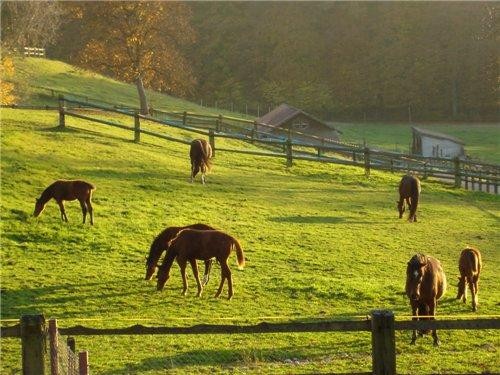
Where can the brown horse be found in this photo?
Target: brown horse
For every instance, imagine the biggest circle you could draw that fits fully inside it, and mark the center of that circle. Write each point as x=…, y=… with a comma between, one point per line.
x=469, y=265
x=409, y=190
x=425, y=285
x=160, y=244
x=192, y=244
x=200, y=154
x=67, y=190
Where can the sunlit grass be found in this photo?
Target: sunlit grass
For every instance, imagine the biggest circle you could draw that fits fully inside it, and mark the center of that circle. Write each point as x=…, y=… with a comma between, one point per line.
x=321, y=241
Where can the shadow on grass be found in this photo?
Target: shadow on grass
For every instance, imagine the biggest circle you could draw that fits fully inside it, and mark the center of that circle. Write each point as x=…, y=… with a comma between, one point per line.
x=317, y=220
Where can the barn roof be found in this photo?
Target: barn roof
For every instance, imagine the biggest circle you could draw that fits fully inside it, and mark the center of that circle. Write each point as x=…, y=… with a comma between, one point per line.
x=281, y=114
x=437, y=135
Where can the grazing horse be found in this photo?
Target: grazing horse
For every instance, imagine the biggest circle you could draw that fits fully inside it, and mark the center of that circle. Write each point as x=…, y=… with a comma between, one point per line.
x=200, y=154
x=409, y=190
x=425, y=285
x=67, y=190
x=192, y=244
x=469, y=265
x=160, y=244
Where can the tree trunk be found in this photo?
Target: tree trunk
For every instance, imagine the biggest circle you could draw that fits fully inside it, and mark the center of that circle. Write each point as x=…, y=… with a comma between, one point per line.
x=142, y=96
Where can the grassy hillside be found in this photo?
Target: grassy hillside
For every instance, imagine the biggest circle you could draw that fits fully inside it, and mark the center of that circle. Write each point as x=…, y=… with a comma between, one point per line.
x=321, y=241
x=482, y=140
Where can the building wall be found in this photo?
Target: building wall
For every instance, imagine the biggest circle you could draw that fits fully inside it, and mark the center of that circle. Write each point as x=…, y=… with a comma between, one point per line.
x=304, y=124
x=441, y=147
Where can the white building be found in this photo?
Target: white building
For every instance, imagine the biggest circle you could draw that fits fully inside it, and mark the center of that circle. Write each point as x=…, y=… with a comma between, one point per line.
x=428, y=143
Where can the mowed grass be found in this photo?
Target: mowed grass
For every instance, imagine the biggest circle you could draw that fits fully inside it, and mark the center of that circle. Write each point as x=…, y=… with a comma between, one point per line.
x=322, y=242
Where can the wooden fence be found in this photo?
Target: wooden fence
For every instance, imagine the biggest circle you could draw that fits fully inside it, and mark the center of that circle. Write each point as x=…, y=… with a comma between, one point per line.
x=34, y=51
x=462, y=173
x=381, y=324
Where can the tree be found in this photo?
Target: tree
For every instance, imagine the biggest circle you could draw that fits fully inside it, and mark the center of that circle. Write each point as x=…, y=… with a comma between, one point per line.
x=140, y=42
x=29, y=23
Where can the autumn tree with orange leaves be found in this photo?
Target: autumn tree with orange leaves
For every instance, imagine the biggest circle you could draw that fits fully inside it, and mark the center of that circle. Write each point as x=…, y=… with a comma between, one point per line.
x=139, y=42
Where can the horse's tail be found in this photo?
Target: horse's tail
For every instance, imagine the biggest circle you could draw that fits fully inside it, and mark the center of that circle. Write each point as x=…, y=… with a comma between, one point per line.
x=206, y=154
x=239, y=254
x=414, y=203
x=473, y=261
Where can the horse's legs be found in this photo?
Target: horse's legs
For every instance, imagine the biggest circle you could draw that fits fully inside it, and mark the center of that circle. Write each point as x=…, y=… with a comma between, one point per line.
x=473, y=291
x=432, y=312
x=206, y=275
x=182, y=266
x=195, y=168
x=414, y=314
x=222, y=278
x=63, y=212
x=91, y=210
x=84, y=209
x=203, y=170
x=227, y=271
x=194, y=266
x=461, y=288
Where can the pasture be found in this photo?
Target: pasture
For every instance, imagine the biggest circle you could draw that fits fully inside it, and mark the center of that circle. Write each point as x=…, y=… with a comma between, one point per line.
x=321, y=242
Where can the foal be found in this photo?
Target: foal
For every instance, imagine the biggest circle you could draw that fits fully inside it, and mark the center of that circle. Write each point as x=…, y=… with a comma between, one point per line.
x=160, y=244
x=469, y=265
x=67, y=190
x=192, y=244
x=425, y=285
x=409, y=191
x=200, y=154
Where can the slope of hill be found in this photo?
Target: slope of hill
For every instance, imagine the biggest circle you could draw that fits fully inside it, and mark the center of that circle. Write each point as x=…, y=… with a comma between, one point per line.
x=33, y=73
x=321, y=241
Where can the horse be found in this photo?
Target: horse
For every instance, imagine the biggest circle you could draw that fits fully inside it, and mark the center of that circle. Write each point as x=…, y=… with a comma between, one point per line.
x=67, y=190
x=469, y=266
x=192, y=244
x=160, y=244
x=409, y=190
x=200, y=153
x=425, y=285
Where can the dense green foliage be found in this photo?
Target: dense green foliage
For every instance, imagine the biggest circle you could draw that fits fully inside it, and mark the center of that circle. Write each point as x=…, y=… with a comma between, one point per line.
x=321, y=241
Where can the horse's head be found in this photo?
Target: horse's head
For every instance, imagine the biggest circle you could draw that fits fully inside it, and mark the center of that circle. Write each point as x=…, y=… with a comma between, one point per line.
x=414, y=275
x=39, y=207
x=150, y=269
x=401, y=208
x=163, y=276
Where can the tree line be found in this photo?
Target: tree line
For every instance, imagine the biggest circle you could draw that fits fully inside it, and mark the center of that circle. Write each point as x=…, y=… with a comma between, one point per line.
x=338, y=60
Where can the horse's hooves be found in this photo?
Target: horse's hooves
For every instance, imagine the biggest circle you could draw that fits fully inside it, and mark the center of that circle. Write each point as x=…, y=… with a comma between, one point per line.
x=413, y=342
x=437, y=343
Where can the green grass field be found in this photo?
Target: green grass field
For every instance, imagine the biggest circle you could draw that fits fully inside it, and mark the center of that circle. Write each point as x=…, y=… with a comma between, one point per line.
x=321, y=241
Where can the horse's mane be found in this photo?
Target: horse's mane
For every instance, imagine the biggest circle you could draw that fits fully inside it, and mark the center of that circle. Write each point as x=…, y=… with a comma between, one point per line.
x=417, y=261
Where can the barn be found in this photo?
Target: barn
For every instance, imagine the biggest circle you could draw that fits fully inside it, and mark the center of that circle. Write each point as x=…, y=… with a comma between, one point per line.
x=285, y=117
x=429, y=143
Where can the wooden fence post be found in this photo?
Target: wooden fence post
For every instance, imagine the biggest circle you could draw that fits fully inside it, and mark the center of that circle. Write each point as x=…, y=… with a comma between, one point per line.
x=137, y=128
x=184, y=118
x=288, y=145
x=383, y=343
x=354, y=156
x=367, y=161
x=33, y=336
x=83, y=363
x=54, y=352
x=254, y=131
x=211, y=140
x=62, y=108
x=219, y=123
x=458, y=178
x=71, y=354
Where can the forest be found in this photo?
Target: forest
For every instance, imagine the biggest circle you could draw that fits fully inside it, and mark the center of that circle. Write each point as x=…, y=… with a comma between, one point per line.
x=345, y=61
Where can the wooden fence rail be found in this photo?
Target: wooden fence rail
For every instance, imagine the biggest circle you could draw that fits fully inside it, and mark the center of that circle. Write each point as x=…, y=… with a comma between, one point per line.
x=462, y=173
x=381, y=324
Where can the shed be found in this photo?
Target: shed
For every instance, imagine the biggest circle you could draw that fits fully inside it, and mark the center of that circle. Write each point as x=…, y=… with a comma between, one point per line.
x=429, y=143
x=285, y=117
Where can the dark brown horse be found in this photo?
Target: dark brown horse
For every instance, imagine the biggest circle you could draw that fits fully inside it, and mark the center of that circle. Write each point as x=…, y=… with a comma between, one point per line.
x=160, y=244
x=67, y=190
x=192, y=244
x=425, y=285
x=200, y=154
x=469, y=265
x=409, y=191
